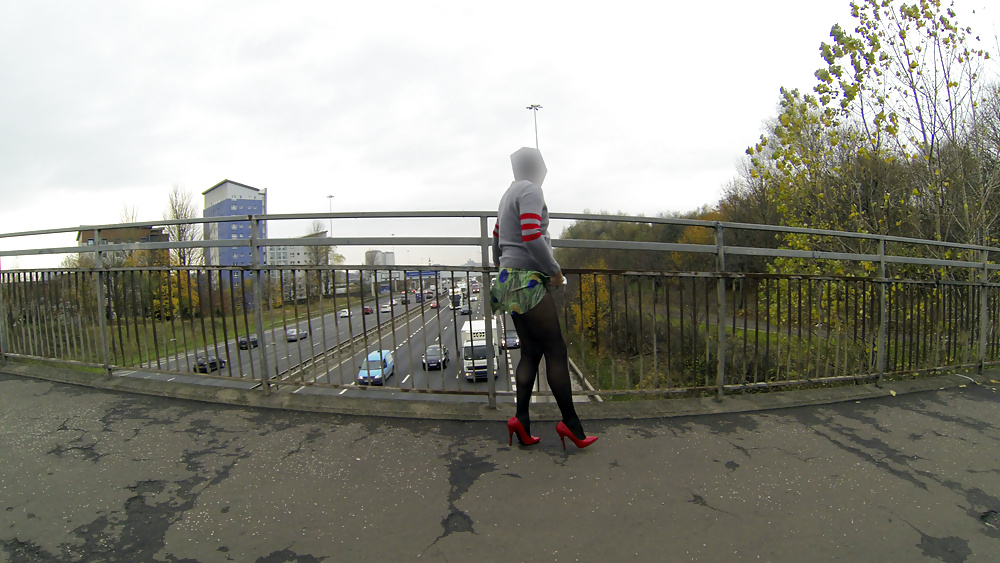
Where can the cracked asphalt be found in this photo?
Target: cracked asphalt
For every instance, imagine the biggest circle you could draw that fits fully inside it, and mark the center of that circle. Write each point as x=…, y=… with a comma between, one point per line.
x=93, y=475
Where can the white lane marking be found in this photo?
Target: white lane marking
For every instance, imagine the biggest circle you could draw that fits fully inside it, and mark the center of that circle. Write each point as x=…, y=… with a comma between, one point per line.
x=342, y=392
x=405, y=379
x=299, y=389
x=172, y=378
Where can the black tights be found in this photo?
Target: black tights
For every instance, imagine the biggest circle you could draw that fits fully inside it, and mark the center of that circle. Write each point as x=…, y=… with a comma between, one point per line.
x=541, y=336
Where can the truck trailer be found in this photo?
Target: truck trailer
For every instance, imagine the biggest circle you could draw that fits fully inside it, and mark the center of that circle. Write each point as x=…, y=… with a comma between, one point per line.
x=476, y=353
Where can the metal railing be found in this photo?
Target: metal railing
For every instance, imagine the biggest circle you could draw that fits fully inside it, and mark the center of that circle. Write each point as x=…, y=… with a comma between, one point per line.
x=630, y=332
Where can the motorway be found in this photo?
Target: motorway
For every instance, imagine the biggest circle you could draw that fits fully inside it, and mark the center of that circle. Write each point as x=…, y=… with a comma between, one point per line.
x=335, y=347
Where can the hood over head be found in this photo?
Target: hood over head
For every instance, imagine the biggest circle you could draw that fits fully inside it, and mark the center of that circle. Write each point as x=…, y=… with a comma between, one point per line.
x=528, y=165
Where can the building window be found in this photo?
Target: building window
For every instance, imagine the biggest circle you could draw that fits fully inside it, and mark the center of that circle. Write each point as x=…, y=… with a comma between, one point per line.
x=235, y=235
x=234, y=207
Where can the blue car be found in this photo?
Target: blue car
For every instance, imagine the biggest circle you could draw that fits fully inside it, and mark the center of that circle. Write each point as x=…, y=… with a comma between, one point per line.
x=376, y=368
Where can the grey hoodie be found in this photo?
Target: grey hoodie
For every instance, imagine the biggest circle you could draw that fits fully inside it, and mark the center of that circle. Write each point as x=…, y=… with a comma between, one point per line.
x=520, y=236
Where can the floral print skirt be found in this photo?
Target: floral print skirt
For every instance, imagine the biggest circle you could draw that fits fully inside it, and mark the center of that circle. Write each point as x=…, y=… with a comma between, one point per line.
x=517, y=291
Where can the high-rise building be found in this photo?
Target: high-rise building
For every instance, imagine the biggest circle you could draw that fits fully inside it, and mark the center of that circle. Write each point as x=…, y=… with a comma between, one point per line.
x=228, y=198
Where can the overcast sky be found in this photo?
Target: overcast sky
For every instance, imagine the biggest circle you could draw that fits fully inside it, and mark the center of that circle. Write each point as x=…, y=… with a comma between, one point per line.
x=647, y=106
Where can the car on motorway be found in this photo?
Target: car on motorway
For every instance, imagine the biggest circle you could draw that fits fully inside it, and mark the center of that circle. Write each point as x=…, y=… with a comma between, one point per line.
x=247, y=342
x=434, y=304
x=208, y=364
x=395, y=301
x=296, y=334
x=376, y=368
x=510, y=340
x=344, y=313
x=385, y=308
x=367, y=310
x=435, y=357
x=465, y=309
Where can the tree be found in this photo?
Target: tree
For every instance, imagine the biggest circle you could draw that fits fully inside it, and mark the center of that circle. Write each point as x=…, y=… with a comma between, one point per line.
x=180, y=206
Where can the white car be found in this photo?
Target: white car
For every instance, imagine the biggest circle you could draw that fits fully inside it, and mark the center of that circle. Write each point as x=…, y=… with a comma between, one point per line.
x=294, y=335
x=385, y=308
x=344, y=313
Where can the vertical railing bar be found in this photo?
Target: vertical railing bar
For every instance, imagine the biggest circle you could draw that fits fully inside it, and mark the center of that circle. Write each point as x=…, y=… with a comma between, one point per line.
x=117, y=310
x=611, y=325
x=83, y=282
x=756, y=331
x=182, y=345
x=656, y=369
x=670, y=322
x=45, y=306
x=102, y=300
x=883, y=312
x=640, y=339
x=61, y=312
x=37, y=292
x=777, y=332
x=236, y=323
x=720, y=267
x=4, y=319
x=52, y=311
x=45, y=303
x=142, y=341
x=148, y=328
x=322, y=315
x=66, y=304
x=983, y=309
x=311, y=360
x=30, y=318
x=258, y=305
x=789, y=375
x=337, y=347
x=295, y=320
x=260, y=277
x=153, y=319
x=809, y=342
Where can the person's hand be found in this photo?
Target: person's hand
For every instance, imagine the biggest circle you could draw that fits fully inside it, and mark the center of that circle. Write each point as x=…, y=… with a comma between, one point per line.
x=557, y=279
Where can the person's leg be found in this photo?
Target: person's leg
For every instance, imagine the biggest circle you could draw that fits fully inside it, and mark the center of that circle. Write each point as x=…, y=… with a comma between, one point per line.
x=541, y=324
x=527, y=369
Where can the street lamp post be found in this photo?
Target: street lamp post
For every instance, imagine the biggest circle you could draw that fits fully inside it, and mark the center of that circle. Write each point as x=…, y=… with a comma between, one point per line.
x=534, y=110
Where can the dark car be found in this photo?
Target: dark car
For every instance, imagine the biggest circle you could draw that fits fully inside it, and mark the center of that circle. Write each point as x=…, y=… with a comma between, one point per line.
x=436, y=357
x=203, y=365
x=510, y=340
x=247, y=342
x=465, y=309
x=367, y=310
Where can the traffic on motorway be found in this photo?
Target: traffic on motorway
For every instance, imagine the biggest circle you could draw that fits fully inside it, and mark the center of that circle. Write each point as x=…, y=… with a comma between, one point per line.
x=385, y=346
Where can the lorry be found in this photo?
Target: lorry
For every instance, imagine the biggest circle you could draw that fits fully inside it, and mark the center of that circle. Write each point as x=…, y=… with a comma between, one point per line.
x=475, y=352
x=455, y=299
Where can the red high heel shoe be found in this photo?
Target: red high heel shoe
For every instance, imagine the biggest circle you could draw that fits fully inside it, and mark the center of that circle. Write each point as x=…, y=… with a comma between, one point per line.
x=564, y=433
x=514, y=425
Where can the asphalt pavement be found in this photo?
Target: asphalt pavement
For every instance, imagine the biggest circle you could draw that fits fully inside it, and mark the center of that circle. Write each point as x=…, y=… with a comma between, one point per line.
x=100, y=475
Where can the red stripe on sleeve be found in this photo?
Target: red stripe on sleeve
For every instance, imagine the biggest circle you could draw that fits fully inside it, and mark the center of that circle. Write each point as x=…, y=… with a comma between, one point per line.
x=530, y=226
x=534, y=216
x=529, y=238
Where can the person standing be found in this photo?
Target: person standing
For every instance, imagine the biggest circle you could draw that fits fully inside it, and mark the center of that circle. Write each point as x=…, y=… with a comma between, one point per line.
x=522, y=251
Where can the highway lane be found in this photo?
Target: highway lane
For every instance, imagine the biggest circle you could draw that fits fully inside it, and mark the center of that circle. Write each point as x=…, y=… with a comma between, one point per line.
x=324, y=332
x=408, y=342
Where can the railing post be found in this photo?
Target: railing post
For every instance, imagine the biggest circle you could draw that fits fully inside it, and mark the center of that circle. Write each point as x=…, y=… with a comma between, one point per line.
x=984, y=312
x=720, y=265
x=3, y=322
x=883, y=325
x=102, y=300
x=490, y=322
x=258, y=301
